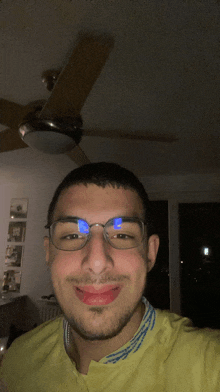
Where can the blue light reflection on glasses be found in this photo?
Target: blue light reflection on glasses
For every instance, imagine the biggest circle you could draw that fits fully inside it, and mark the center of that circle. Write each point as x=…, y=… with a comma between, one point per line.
x=117, y=223
x=83, y=226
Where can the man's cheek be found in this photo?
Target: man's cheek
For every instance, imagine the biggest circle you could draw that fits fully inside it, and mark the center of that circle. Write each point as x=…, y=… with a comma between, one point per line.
x=143, y=252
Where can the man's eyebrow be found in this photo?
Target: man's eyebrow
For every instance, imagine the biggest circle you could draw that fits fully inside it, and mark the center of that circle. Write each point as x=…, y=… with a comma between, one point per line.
x=134, y=214
x=67, y=217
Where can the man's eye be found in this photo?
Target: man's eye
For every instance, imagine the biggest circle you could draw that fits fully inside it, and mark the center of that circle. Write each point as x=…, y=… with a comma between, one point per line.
x=123, y=236
x=71, y=237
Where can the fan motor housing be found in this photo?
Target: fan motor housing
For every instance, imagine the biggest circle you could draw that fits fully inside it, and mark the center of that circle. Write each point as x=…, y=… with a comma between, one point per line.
x=52, y=136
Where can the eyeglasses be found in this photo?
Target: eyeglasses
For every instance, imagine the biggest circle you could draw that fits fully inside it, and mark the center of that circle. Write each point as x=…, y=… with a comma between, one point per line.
x=120, y=232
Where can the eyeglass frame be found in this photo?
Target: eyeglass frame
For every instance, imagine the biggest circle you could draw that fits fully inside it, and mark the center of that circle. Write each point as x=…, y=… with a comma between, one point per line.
x=73, y=218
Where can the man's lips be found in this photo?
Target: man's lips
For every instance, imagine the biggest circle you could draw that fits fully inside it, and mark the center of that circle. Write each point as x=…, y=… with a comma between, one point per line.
x=95, y=295
x=96, y=289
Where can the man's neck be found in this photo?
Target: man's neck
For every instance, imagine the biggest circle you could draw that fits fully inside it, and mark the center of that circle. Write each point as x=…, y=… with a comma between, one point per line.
x=83, y=351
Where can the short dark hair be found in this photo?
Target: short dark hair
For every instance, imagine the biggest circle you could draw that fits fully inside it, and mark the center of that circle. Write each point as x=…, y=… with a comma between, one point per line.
x=103, y=174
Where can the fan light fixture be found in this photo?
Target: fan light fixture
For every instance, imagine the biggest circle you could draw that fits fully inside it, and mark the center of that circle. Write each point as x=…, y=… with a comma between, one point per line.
x=52, y=136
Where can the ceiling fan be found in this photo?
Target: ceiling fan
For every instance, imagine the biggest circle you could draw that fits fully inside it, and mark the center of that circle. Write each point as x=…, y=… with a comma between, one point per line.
x=56, y=126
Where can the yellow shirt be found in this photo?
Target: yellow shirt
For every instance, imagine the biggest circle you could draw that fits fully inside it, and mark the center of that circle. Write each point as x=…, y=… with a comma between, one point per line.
x=171, y=357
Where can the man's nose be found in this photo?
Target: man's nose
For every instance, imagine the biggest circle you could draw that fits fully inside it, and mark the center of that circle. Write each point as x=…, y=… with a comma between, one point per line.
x=97, y=257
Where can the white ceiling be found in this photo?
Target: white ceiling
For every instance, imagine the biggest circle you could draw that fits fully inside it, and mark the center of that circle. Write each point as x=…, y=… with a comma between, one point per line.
x=162, y=76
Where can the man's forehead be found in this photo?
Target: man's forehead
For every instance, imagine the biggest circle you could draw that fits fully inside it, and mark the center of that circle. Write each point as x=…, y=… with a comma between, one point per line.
x=105, y=197
x=83, y=190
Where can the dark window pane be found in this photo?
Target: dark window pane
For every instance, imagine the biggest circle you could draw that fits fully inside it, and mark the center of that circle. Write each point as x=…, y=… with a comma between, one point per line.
x=157, y=290
x=200, y=262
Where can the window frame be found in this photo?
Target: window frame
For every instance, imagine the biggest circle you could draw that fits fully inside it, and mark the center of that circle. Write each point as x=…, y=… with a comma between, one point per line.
x=174, y=199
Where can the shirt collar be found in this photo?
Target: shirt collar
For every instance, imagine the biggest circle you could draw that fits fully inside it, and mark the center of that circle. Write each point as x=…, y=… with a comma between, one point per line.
x=147, y=324
x=136, y=342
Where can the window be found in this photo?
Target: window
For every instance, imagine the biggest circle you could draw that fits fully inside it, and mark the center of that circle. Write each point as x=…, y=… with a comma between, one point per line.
x=199, y=233
x=157, y=289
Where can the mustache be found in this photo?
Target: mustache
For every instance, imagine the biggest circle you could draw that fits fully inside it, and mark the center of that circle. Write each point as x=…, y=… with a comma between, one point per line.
x=85, y=280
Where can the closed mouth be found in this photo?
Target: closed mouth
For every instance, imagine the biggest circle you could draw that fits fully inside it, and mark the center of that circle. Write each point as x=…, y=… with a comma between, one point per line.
x=96, y=289
x=103, y=296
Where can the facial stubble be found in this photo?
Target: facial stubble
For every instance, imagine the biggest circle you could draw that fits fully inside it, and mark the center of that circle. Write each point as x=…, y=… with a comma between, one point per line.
x=97, y=311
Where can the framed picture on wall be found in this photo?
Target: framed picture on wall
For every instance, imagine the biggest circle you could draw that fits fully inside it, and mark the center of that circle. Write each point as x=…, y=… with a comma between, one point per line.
x=14, y=255
x=16, y=231
x=18, y=208
x=11, y=281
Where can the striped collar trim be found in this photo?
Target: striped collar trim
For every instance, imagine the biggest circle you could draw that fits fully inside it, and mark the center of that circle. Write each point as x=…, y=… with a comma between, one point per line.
x=136, y=342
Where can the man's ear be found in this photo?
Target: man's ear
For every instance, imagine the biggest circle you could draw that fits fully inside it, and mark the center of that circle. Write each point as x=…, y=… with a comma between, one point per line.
x=153, y=246
x=46, y=248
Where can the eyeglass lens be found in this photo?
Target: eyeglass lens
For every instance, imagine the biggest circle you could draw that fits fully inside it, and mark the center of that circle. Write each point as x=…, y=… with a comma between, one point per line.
x=121, y=233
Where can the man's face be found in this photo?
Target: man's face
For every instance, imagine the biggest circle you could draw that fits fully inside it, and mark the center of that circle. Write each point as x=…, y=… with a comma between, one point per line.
x=98, y=265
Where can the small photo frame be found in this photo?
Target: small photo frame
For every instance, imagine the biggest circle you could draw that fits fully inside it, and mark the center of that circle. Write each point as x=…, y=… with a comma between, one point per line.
x=14, y=255
x=11, y=281
x=16, y=231
x=18, y=208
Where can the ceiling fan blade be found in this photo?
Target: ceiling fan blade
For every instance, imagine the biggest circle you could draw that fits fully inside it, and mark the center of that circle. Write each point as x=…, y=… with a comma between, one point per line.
x=10, y=140
x=78, y=156
x=78, y=76
x=137, y=135
x=11, y=113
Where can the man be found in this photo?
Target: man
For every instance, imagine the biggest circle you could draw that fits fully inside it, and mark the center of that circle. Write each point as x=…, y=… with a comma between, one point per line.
x=100, y=248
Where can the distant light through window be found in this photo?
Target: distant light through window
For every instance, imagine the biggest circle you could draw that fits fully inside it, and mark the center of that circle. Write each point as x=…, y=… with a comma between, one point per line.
x=206, y=251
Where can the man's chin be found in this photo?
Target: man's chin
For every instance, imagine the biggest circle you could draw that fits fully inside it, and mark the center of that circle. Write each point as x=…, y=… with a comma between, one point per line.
x=99, y=329
x=96, y=336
